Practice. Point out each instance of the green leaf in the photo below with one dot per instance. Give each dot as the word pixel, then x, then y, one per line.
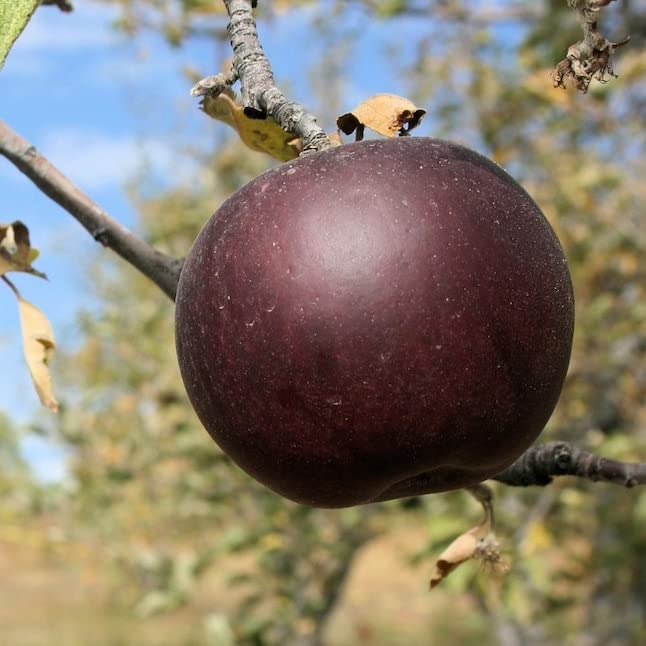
pixel 14 16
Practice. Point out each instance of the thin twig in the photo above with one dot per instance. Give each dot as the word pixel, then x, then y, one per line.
pixel 12 287
pixel 260 95
pixel 163 270
pixel 541 463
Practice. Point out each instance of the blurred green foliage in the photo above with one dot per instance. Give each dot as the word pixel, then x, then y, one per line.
pixel 170 509
pixel 15 480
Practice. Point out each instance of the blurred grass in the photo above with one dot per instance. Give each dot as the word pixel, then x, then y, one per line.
pixel 61 598
pixel 59 594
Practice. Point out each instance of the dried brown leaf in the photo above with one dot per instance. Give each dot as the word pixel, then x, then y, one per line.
pixel 16 253
pixel 260 134
pixel 460 550
pixel 386 114
pixel 38 345
pixel 479 543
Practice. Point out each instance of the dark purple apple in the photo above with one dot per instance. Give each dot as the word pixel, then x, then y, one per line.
pixel 380 320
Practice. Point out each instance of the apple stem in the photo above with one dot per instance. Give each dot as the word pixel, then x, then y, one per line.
pixel 484 495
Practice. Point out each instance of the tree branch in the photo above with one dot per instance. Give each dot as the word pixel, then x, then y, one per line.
pixel 260 96
pixel 63 5
pixel 590 57
pixel 541 463
pixel 163 270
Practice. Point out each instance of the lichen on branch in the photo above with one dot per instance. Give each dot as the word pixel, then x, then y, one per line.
pixel 589 58
pixel 260 95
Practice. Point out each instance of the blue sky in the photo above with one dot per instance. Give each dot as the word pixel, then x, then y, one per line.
pixel 94 103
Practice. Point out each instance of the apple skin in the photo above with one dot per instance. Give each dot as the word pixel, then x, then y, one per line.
pixel 380 320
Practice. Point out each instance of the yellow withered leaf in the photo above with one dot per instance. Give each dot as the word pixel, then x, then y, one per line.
pixel 262 135
pixel 38 345
pixel 479 543
pixel 386 114
pixel 206 7
pixel 460 550
pixel 16 253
